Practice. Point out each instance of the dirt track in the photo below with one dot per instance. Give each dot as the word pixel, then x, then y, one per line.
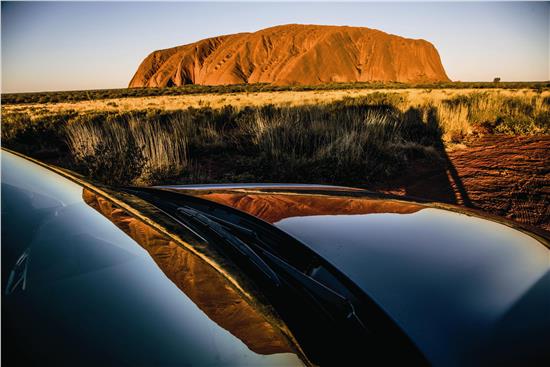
pixel 502 175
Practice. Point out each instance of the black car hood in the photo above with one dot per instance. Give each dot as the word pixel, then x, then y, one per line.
pixel 86 283
pixel 465 289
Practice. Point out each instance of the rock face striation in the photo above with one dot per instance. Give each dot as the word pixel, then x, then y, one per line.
pixel 294 54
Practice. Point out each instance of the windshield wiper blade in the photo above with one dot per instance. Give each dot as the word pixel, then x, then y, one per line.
pixel 326 295
pixel 234 227
pixel 339 305
pixel 232 240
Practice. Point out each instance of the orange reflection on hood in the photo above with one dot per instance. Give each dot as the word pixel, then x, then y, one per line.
pixel 205 286
pixel 275 207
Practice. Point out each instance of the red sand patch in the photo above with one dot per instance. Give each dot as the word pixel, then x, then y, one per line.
pixel 502 175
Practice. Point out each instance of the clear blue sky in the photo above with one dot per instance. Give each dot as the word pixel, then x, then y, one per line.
pixel 84 45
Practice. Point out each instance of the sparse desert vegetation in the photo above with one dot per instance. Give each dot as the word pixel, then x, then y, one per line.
pixel 195 89
pixel 460 110
pixel 323 143
pixel 353 137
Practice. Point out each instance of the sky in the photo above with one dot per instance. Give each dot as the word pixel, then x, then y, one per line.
pixel 96 45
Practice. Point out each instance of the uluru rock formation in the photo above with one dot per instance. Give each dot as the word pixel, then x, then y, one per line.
pixel 273 208
pixel 294 54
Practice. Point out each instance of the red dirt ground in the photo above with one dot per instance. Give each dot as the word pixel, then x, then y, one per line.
pixel 502 175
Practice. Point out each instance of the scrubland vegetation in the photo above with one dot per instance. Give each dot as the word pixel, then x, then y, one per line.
pixel 344 138
pixel 91 95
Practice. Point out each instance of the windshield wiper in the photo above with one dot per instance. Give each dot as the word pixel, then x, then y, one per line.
pixel 331 300
pixel 235 227
pixel 213 225
pixel 232 240
pixel 259 253
pixel 337 303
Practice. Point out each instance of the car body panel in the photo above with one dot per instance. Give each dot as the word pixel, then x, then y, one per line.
pixel 448 279
pixel 85 283
pixel 464 288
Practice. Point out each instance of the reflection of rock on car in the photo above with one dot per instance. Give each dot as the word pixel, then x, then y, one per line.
pixel 260 275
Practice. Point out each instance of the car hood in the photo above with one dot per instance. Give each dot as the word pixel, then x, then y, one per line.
pixel 450 280
pixel 467 290
pixel 87 283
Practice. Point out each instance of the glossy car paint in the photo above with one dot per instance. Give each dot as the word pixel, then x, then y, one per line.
pixel 83 292
pixel 458 285
pixel 467 290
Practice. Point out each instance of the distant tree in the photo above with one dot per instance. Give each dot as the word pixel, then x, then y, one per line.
pixel 496 80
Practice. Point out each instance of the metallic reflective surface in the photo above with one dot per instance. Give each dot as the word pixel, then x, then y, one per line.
pixel 84 282
pixel 448 279
pixel 200 282
pixel 89 285
pixel 468 291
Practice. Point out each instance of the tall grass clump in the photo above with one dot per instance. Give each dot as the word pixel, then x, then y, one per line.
pixel 454 122
pixel 164 147
pixel 128 150
pixel 332 143
pixel 105 151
